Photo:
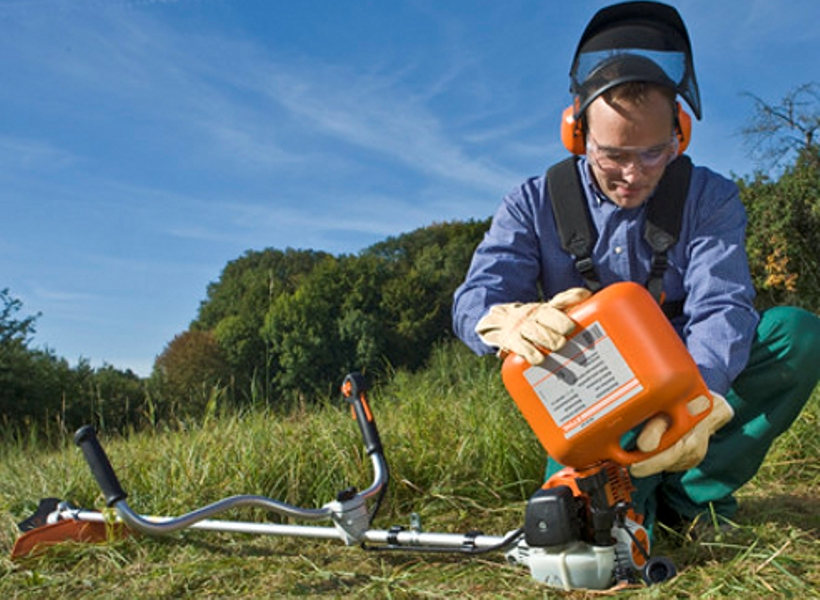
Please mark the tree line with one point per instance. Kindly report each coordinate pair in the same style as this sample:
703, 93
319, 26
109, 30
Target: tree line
282, 327
40, 392
278, 328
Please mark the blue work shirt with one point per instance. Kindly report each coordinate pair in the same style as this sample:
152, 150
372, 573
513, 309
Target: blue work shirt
521, 260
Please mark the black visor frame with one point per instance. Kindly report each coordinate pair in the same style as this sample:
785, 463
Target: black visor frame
634, 41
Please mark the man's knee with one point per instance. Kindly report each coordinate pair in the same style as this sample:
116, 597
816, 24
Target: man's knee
793, 333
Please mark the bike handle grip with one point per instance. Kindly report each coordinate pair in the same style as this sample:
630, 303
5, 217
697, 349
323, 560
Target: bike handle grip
353, 389
86, 439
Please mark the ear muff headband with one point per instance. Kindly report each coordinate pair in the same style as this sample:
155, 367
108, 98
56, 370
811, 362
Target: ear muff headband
572, 130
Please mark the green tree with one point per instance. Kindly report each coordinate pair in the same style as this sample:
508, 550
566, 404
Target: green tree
428, 265
117, 398
784, 232
329, 325
17, 374
188, 372
387, 307
12, 329
237, 303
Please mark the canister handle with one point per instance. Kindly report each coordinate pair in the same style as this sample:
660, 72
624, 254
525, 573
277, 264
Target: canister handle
681, 421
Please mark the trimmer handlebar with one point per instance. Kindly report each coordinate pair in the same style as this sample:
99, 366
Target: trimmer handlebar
348, 511
101, 469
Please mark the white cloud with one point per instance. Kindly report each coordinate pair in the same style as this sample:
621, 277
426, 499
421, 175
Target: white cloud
368, 114
226, 96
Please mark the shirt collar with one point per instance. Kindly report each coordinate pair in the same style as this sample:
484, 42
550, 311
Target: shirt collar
590, 184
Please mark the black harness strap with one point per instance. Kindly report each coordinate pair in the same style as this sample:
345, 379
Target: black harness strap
664, 218
575, 227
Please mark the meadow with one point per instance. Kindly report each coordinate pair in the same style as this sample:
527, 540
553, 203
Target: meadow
460, 456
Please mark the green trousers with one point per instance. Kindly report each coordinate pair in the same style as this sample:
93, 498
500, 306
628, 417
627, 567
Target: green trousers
778, 380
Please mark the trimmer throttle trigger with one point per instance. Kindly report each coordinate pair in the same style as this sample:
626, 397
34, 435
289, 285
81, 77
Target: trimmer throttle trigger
353, 389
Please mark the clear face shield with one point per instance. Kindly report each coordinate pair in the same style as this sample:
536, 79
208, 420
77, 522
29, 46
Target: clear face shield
598, 71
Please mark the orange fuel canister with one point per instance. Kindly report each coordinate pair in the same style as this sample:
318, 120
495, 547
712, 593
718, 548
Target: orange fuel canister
623, 364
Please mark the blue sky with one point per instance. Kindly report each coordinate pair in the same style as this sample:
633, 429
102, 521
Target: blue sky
145, 144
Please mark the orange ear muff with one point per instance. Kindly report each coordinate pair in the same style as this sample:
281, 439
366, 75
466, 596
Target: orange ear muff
572, 133
683, 129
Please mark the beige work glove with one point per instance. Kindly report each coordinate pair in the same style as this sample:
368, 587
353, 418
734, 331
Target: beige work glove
690, 450
533, 328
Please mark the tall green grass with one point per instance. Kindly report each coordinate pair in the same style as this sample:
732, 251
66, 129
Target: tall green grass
460, 454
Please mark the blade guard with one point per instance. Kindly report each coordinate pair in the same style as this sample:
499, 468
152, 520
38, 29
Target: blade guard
623, 364
40, 539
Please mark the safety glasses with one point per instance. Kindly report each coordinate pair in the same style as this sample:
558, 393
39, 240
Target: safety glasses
611, 158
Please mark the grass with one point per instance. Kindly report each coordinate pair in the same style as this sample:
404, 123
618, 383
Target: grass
460, 455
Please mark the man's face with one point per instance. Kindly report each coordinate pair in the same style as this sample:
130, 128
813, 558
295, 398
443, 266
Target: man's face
629, 146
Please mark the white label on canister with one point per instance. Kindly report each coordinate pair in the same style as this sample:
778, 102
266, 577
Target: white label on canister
585, 380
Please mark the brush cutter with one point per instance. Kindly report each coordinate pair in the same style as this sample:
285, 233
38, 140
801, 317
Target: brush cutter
580, 530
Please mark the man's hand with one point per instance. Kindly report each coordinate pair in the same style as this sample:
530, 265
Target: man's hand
690, 450
530, 329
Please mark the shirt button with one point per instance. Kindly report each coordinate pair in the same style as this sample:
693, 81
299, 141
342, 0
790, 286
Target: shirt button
618, 249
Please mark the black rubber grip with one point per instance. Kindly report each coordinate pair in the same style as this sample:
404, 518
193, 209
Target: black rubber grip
86, 439
354, 387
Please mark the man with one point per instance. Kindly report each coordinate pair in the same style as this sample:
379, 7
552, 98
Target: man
632, 63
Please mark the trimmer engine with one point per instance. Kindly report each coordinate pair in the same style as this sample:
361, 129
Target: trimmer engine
580, 532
